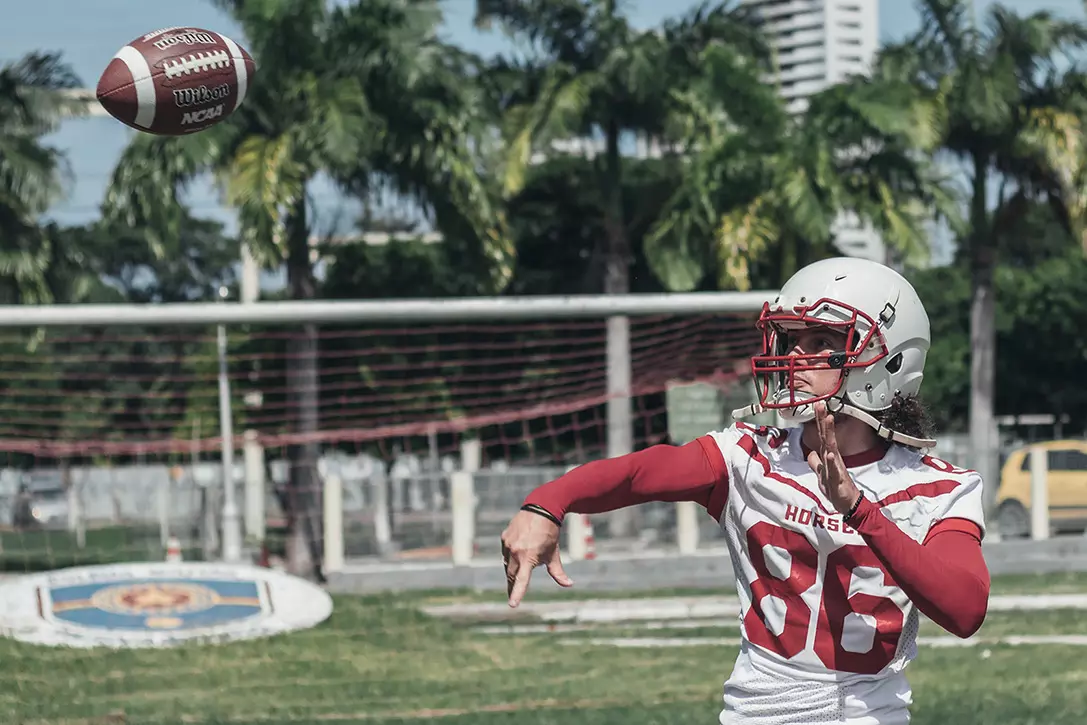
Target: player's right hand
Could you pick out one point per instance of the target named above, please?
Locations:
(529, 541)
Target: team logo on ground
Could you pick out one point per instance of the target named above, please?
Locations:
(154, 605)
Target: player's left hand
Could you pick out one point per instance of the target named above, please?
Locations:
(834, 479)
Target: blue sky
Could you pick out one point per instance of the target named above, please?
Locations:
(89, 32)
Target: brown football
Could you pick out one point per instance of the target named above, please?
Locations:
(176, 81)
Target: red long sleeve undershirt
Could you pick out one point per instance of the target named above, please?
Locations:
(945, 577)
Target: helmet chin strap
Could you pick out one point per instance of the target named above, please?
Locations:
(884, 432)
(837, 405)
(747, 411)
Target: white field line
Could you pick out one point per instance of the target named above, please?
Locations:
(687, 608)
(568, 627)
(1077, 640)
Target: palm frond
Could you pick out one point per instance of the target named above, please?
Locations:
(735, 82)
(32, 175)
(34, 100)
(1032, 44)
(265, 179)
(1051, 158)
(903, 224)
(467, 197)
(557, 112)
(947, 24)
(808, 202)
(346, 129)
(674, 244)
(710, 24)
(742, 236)
(278, 33)
(37, 92)
(556, 26)
(153, 171)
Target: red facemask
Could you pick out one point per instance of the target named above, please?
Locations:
(774, 369)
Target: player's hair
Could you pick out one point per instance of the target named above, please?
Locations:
(908, 415)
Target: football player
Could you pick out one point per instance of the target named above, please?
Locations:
(841, 529)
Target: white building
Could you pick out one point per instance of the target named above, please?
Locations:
(818, 43)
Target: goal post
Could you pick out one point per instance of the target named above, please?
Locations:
(406, 310)
(118, 410)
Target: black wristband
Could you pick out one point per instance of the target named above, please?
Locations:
(853, 510)
(541, 511)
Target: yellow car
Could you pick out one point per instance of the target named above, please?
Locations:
(1067, 488)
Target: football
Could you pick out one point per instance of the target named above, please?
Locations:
(176, 81)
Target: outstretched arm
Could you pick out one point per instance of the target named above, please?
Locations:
(692, 472)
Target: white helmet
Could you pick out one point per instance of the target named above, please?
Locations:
(887, 339)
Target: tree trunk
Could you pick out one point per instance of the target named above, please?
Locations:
(617, 282)
(982, 338)
(304, 484)
(790, 257)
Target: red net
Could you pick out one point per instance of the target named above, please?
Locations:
(533, 389)
(80, 402)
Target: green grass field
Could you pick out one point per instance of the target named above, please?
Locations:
(379, 660)
(42, 550)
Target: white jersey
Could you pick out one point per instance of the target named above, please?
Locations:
(827, 633)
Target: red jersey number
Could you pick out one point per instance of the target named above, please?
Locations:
(799, 579)
(943, 466)
(835, 606)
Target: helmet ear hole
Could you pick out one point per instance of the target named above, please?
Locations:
(894, 364)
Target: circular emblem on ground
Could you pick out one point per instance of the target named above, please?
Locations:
(157, 605)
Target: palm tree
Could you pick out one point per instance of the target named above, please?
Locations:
(765, 185)
(592, 75)
(589, 74)
(1008, 103)
(33, 102)
(363, 92)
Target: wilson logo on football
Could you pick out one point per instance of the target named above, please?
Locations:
(204, 114)
(198, 38)
(185, 97)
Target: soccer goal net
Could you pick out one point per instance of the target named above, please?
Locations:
(111, 443)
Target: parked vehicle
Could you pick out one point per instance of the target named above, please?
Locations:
(1066, 488)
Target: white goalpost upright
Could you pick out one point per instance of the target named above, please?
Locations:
(224, 314)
